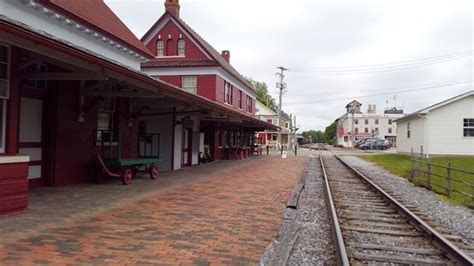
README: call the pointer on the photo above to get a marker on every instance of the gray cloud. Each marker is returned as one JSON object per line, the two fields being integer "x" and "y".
{"x": 264, "y": 34}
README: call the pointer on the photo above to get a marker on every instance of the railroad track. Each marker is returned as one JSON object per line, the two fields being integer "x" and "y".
{"x": 371, "y": 227}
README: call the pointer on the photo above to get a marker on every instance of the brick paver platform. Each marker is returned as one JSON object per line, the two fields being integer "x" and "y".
{"x": 227, "y": 218}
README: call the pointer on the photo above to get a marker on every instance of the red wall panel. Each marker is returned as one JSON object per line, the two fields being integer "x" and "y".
{"x": 175, "y": 80}
{"x": 206, "y": 86}
{"x": 13, "y": 105}
{"x": 13, "y": 187}
{"x": 73, "y": 138}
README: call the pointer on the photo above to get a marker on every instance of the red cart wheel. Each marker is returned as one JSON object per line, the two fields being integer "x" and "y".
{"x": 127, "y": 176}
{"x": 154, "y": 171}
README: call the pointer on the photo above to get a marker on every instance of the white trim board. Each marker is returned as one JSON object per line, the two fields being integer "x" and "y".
{"x": 188, "y": 71}
{"x": 46, "y": 20}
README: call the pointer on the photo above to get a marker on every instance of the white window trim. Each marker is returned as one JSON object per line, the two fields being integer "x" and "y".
{"x": 466, "y": 127}
{"x": 227, "y": 100}
{"x": 5, "y": 100}
{"x": 8, "y": 70}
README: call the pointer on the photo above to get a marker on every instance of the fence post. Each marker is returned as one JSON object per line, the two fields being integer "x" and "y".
{"x": 448, "y": 180}
{"x": 412, "y": 165}
{"x": 472, "y": 193}
{"x": 421, "y": 152}
{"x": 428, "y": 164}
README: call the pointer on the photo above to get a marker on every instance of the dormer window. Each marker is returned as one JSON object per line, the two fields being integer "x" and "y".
{"x": 181, "y": 47}
{"x": 160, "y": 48}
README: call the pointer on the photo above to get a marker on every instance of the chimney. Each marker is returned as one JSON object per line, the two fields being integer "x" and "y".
{"x": 172, "y": 6}
{"x": 226, "y": 55}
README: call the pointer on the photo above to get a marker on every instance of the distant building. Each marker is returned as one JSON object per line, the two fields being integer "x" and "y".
{"x": 445, "y": 128}
{"x": 355, "y": 125}
{"x": 270, "y": 137}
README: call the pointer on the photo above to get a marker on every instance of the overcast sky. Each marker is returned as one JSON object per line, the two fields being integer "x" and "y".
{"x": 306, "y": 34}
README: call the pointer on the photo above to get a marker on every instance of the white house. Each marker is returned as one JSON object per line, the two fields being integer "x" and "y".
{"x": 355, "y": 124}
{"x": 445, "y": 128}
{"x": 270, "y": 137}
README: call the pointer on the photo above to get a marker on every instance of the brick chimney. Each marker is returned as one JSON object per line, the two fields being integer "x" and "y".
{"x": 226, "y": 55}
{"x": 172, "y": 6}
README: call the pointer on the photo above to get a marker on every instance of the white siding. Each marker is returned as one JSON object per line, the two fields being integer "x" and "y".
{"x": 417, "y": 135}
{"x": 445, "y": 128}
{"x": 164, "y": 126}
{"x": 178, "y": 150}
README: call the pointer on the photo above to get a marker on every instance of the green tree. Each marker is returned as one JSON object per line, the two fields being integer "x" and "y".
{"x": 315, "y": 136}
{"x": 262, "y": 93}
{"x": 330, "y": 133}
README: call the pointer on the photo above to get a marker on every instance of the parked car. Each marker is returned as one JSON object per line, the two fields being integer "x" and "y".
{"x": 375, "y": 145}
{"x": 362, "y": 141}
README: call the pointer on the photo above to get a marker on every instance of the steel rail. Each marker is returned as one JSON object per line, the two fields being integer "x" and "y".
{"x": 453, "y": 252}
{"x": 340, "y": 247}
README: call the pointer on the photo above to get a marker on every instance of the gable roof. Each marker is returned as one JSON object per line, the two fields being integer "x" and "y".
{"x": 96, "y": 14}
{"x": 435, "y": 106}
{"x": 205, "y": 45}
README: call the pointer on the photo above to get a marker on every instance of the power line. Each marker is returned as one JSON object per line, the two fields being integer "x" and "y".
{"x": 327, "y": 92}
{"x": 379, "y": 94}
{"x": 384, "y": 67}
{"x": 385, "y": 64}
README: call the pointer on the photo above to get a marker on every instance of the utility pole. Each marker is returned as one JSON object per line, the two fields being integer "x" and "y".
{"x": 281, "y": 86}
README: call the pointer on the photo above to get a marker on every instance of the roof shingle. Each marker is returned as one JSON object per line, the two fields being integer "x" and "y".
{"x": 96, "y": 14}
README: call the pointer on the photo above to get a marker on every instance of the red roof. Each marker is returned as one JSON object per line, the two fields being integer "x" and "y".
{"x": 96, "y": 14}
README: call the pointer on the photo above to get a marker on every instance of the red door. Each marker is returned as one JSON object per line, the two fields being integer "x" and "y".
{"x": 32, "y": 139}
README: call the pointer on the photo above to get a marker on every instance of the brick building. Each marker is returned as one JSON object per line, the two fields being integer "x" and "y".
{"x": 70, "y": 68}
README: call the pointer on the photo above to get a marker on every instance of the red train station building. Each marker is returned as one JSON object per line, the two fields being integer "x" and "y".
{"x": 70, "y": 70}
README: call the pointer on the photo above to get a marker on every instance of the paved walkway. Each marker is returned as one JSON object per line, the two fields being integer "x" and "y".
{"x": 222, "y": 213}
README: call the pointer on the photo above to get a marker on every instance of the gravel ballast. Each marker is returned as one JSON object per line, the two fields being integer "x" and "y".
{"x": 305, "y": 235}
{"x": 458, "y": 219}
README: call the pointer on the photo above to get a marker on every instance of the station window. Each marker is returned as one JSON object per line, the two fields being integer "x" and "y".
{"x": 376, "y": 121}
{"x": 181, "y": 47}
{"x": 4, "y": 91}
{"x": 249, "y": 104}
{"x": 468, "y": 127}
{"x": 3, "y": 112}
{"x": 160, "y": 48}
{"x": 390, "y": 121}
{"x": 366, "y": 121}
{"x": 390, "y": 130}
{"x": 189, "y": 84}
{"x": 356, "y": 130}
{"x": 366, "y": 130}
{"x": 356, "y": 121}
{"x": 240, "y": 99}
{"x": 227, "y": 92}
{"x": 105, "y": 119}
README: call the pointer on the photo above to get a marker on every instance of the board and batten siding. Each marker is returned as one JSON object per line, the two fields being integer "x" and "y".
{"x": 445, "y": 128}
{"x": 417, "y": 135}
